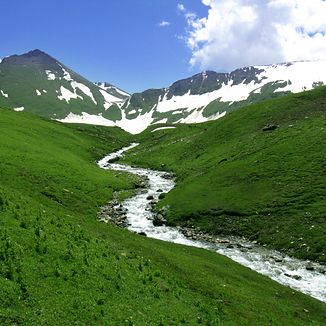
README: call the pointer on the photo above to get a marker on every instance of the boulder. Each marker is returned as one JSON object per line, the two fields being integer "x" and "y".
{"x": 269, "y": 127}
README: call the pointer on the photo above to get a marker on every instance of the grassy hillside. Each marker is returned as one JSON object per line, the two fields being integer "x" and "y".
{"x": 60, "y": 266}
{"x": 235, "y": 178}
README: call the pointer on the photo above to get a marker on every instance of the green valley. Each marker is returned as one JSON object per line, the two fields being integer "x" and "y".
{"x": 234, "y": 177}
{"x": 60, "y": 266}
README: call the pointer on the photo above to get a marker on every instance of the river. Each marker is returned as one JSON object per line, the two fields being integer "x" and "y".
{"x": 303, "y": 276}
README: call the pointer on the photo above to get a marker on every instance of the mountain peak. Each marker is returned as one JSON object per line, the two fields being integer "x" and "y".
{"x": 34, "y": 55}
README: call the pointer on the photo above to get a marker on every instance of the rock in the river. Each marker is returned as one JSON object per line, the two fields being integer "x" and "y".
{"x": 159, "y": 220}
{"x": 309, "y": 267}
{"x": 296, "y": 277}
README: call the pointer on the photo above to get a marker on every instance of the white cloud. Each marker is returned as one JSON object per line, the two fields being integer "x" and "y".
{"x": 181, "y": 7}
{"x": 164, "y": 23}
{"x": 239, "y": 33}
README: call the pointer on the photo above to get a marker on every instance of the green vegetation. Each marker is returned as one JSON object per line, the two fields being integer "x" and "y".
{"x": 24, "y": 79}
{"x": 112, "y": 113}
{"x": 60, "y": 266}
{"x": 234, "y": 178}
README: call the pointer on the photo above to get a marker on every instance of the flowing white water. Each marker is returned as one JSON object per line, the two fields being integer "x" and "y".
{"x": 278, "y": 266}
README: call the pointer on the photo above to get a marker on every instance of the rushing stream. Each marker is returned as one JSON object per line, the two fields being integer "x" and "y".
{"x": 303, "y": 276}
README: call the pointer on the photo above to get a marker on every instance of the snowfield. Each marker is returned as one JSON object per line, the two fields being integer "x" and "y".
{"x": 134, "y": 126}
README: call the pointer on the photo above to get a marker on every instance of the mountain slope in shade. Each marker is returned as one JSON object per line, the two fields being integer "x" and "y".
{"x": 39, "y": 84}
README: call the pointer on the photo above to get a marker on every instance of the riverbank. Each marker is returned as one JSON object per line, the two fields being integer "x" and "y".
{"x": 137, "y": 215}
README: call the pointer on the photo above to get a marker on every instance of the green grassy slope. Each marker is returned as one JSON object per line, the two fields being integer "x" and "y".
{"x": 60, "y": 266}
{"x": 235, "y": 178}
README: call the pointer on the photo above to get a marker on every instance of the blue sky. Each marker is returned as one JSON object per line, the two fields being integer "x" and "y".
{"x": 120, "y": 42}
{"x": 141, "y": 44}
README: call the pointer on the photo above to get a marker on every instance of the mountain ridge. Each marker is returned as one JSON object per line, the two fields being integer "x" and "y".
{"x": 40, "y": 84}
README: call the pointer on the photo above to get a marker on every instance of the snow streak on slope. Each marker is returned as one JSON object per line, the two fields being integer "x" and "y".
{"x": 299, "y": 76}
{"x": 110, "y": 99}
{"x": 67, "y": 95}
{"x": 88, "y": 119}
{"x": 112, "y": 88}
{"x": 4, "y": 94}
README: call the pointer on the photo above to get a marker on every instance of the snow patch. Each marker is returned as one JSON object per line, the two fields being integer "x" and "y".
{"x": 185, "y": 101}
{"x": 204, "y": 74}
{"x": 102, "y": 85}
{"x": 67, "y": 95}
{"x": 122, "y": 92}
{"x": 110, "y": 98}
{"x": 84, "y": 89}
{"x": 177, "y": 112}
{"x": 88, "y": 119}
{"x": 137, "y": 125}
{"x": 51, "y": 75}
{"x": 66, "y": 74}
{"x": 161, "y": 128}
{"x": 4, "y": 94}
{"x": 134, "y": 126}
{"x": 128, "y": 103}
{"x": 197, "y": 117}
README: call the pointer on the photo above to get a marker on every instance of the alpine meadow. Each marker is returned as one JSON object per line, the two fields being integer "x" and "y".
{"x": 257, "y": 172}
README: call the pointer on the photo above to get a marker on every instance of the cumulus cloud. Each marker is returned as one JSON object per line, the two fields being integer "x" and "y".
{"x": 164, "y": 23}
{"x": 239, "y": 33}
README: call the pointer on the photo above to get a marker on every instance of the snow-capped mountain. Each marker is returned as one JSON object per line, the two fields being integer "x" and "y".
{"x": 210, "y": 95}
{"x": 39, "y": 84}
